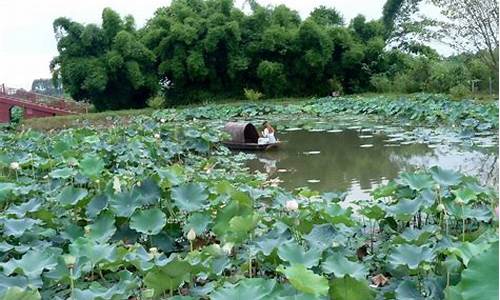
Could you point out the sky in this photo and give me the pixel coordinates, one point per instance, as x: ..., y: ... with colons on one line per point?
x: 27, y: 43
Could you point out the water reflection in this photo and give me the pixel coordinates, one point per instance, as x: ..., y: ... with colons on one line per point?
x: 357, y: 161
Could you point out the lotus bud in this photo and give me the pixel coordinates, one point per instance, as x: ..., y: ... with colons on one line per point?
x: 335, y: 244
x: 227, y: 248
x: 87, y: 229
x: 440, y: 207
x: 446, y: 217
x: 157, y: 136
x: 117, y: 185
x: 14, y: 165
x: 191, y: 235
x: 69, y: 260
x: 460, y: 201
x: 496, y: 211
x: 291, y: 205
x: 162, y: 120
x: 97, y: 181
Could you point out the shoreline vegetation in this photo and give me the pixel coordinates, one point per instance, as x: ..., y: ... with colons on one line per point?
x: 108, y: 117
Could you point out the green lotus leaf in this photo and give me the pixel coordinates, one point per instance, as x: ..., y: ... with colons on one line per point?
x: 198, y: 222
x: 19, y: 281
x: 71, y: 195
x: 336, y: 214
x: 246, y: 289
x: 171, y: 176
x: 373, y: 212
x: 341, y: 266
x: 17, y: 293
x: 124, y: 204
x: 103, y: 228
x: 467, y: 212
x: 120, y: 290
x: 271, y: 240
x: 6, y: 189
x: 96, y: 205
x: 32, y: 263
x: 62, y: 173
x: 480, y: 279
x: 168, y: 277
x: 190, y: 196
x: 348, y: 288
x: 23, y: 208
x: 92, y: 166
x: 305, y: 280
x: 411, y: 255
x: 466, y: 251
x: 407, y: 290
x: 240, y: 227
x: 148, y: 192
x: 465, y: 194
x: 295, y: 254
x: 416, y: 181
x: 405, y: 209
x: 385, y: 190
x: 84, y: 247
x: 17, y: 227
x: 445, y: 177
x: 149, y: 221
x: 321, y: 236
x: 416, y: 236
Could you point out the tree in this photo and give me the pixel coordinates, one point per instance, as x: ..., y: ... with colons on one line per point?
x: 324, y: 16
x: 471, y: 25
x: 47, y: 87
x: 107, y: 65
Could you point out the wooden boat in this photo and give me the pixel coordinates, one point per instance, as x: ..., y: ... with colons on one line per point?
x: 244, y: 136
x: 250, y: 146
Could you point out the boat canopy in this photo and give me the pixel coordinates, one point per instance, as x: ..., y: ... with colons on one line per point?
x: 242, y: 132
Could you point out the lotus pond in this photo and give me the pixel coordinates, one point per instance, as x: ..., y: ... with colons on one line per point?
x: 158, y: 209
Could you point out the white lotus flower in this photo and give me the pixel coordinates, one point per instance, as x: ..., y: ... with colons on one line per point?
x: 162, y: 120
x: 157, y: 136
x: 227, y: 248
x: 117, y: 185
x: 15, y: 165
x: 291, y: 205
x: 191, y: 235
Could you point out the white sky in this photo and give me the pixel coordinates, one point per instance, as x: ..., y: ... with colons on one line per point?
x: 27, y: 42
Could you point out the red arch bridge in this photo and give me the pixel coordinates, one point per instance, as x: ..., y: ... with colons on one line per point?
x: 35, y: 105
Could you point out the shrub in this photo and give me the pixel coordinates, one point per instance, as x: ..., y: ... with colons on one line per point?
x: 156, y: 102
x: 381, y: 83
x: 252, y: 95
x: 459, y: 91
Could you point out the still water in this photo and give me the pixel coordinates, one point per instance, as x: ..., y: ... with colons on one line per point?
x: 357, y: 161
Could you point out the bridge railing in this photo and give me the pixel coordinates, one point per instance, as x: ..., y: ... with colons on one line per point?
x: 55, y: 102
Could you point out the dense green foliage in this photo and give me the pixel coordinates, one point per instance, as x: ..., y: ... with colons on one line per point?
x: 200, y: 50
x: 108, y: 64
x: 158, y: 208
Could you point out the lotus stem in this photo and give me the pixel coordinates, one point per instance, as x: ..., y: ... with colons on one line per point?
x: 72, y: 283
x: 463, y: 224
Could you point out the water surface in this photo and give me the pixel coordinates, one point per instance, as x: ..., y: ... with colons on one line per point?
x: 358, y: 160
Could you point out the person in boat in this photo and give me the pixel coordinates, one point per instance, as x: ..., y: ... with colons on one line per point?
x: 267, y: 135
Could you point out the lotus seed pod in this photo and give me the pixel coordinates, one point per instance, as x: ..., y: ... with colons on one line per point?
x: 153, y: 250
x: 191, y: 235
x: 460, y: 201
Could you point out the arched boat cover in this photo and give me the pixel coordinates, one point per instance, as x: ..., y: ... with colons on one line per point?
x: 242, y: 132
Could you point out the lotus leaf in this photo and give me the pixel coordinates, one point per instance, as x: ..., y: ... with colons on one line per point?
x: 150, y: 221
x: 295, y: 254
x: 189, y: 197
x: 305, y: 280
x: 71, y: 195
x: 411, y: 255
x: 341, y: 267
x: 348, y: 288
